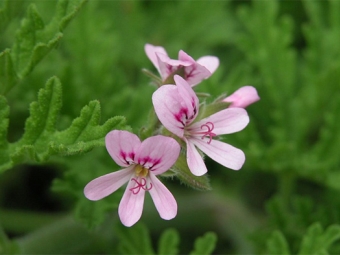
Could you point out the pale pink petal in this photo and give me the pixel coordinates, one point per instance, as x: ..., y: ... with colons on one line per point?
x: 209, y: 62
x: 158, y: 153
x: 221, y: 152
x: 185, y: 57
x: 188, y: 97
x: 107, y: 184
x: 168, y: 105
x: 168, y: 66
x: 151, y: 51
x: 195, y: 160
x: 243, y: 97
x: 194, y: 74
x: 227, y: 121
x: 121, y: 146
x: 163, y: 199
x: 131, y: 206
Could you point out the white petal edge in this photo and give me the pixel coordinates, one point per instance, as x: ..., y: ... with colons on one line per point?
x: 164, y: 201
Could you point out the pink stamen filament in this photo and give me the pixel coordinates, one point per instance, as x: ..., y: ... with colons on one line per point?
x: 210, y: 126
x: 140, y: 185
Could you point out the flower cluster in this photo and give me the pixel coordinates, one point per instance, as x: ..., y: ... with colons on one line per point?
x: 178, y: 110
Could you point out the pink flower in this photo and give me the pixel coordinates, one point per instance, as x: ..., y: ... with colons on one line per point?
x: 194, y: 71
x: 142, y: 162
x: 242, y: 97
x: 178, y: 106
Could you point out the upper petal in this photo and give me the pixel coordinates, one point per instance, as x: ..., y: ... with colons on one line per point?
x: 131, y: 206
x: 227, y: 121
x: 121, y: 146
x: 158, y: 153
x: 151, y: 51
x: 243, y: 97
x: 185, y: 57
x: 163, y: 199
x: 107, y: 184
x: 209, y: 62
x: 167, y: 104
x: 221, y: 152
x: 194, y: 159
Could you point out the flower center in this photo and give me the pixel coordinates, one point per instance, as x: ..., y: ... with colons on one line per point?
x: 140, y: 180
x: 207, y: 129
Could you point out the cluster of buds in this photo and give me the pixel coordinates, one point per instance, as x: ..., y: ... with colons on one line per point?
x: 182, y: 128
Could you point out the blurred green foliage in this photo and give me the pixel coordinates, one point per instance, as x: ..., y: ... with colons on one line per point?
x: 285, y: 200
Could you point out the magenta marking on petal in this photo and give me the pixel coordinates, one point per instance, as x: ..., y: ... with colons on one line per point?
x: 140, y: 185
x: 127, y: 158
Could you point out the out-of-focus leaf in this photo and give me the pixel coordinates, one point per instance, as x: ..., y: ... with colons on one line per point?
x: 168, y: 242
x: 277, y: 244
x: 5, y: 161
x: 205, y: 245
x: 134, y: 240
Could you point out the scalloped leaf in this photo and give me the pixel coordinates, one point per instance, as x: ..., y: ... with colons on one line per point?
x: 205, y: 245
x: 5, y: 161
x: 8, y: 77
x: 34, y: 41
x: 41, y: 140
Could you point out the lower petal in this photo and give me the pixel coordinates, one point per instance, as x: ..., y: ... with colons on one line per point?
x: 131, y: 206
x: 107, y: 184
x: 221, y: 152
x: 163, y: 199
x: 194, y: 159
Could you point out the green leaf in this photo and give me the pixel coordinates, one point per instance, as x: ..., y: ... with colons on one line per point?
x: 205, y: 245
x: 317, y: 241
x: 5, y: 161
x: 183, y: 173
x: 168, y: 242
x: 7, y: 246
x: 34, y: 40
x: 41, y: 140
x: 134, y: 240
x: 277, y: 244
x: 8, y: 77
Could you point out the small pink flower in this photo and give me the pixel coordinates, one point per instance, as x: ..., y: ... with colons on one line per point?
x: 178, y: 106
x: 242, y: 97
x: 142, y: 162
x: 194, y: 71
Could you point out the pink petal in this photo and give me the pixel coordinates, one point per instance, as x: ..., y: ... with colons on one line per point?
x: 168, y: 104
x: 195, y: 160
x: 131, y: 206
x: 227, y: 121
x: 158, y: 153
x: 151, y: 51
x: 107, y: 184
x: 163, y: 199
x: 209, y: 62
x: 188, y: 96
x: 167, y: 66
x: 185, y: 57
x: 121, y: 146
x: 194, y: 74
x: 221, y: 152
x: 243, y: 97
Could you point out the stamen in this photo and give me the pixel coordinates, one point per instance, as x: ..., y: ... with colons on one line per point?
x: 140, y: 185
x: 210, y: 127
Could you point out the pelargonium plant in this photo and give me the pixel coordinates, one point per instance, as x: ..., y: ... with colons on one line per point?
x: 183, y: 129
